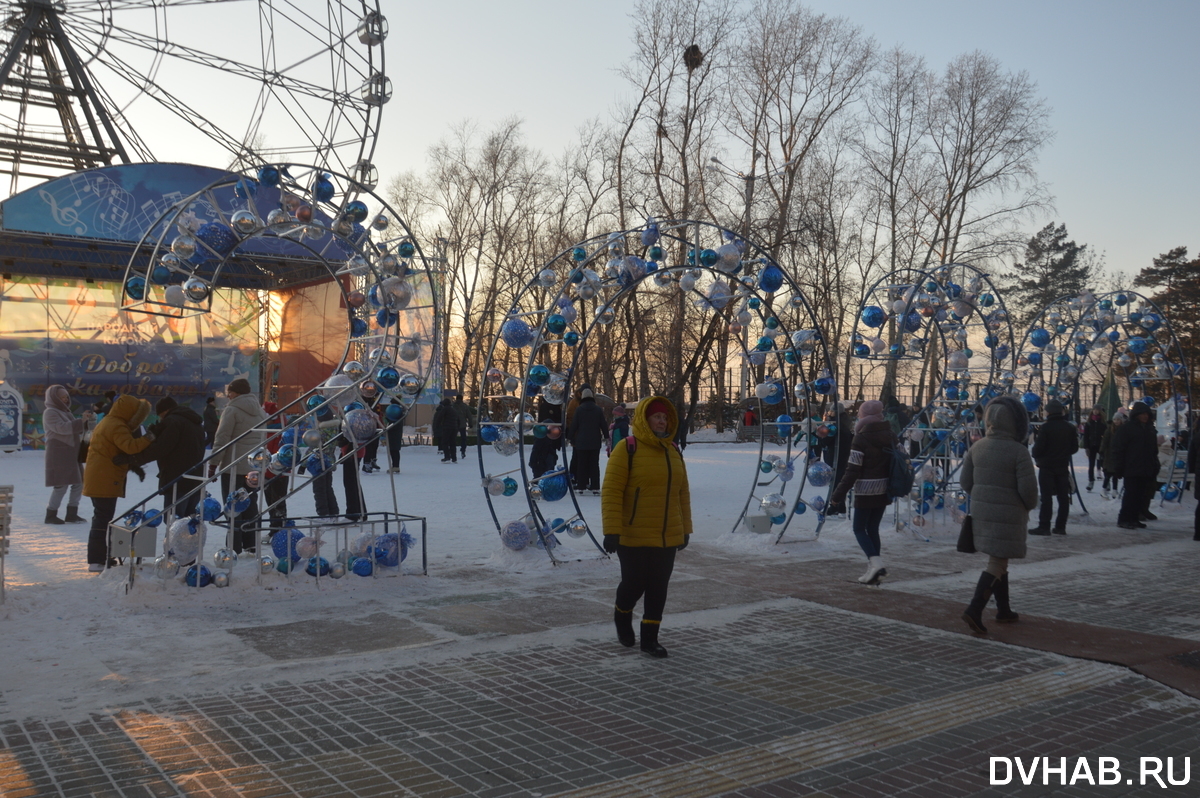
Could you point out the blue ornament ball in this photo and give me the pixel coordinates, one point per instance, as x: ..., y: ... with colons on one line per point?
x: 516, y: 535
x: 516, y: 333
x: 356, y: 211
x: 317, y: 565
x: 205, y: 576
x: 211, y: 509
x: 284, y: 539
x: 820, y: 474
x: 489, y: 433
x: 1039, y: 337
x: 388, y: 377
x: 268, y: 176
x: 555, y: 324
x: 770, y: 279
x: 1031, y: 401
x: 554, y: 488
x: 872, y: 316
x: 362, y: 566
x: 218, y: 237
x: 395, y: 412
x: 406, y: 249
x: 135, y: 287
x: 571, y: 338
x: 153, y: 518
x: 358, y: 328
x: 510, y: 486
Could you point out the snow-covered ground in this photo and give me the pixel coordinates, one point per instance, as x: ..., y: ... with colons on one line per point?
x: 74, y: 640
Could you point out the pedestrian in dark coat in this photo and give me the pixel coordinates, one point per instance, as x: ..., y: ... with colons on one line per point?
x: 212, y: 420
x: 1135, y: 453
x: 587, y: 433
x: 1056, y: 441
x: 867, y: 469
x: 1193, y: 461
x: 179, y: 448
x: 1107, y: 460
x: 619, y: 427
x: 1093, y: 436
x: 466, y: 418
x: 543, y: 455
x: 835, y: 451
x: 997, y: 472
x: 63, y: 435
x: 445, y: 430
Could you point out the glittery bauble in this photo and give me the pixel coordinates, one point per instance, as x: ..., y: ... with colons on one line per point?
x: 409, y: 351
x: 166, y: 567
x: 820, y: 474
x: 175, y: 296
x: 359, y: 426
x: 516, y: 535
x: 516, y: 333
x: 507, y: 441
x: 284, y: 542
x: 495, y: 487
x: 772, y: 503
x: 554, y: 487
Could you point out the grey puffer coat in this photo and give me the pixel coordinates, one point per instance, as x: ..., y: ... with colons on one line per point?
x: 998, y: 474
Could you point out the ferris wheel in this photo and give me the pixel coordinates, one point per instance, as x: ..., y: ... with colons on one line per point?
x: 234, y: 83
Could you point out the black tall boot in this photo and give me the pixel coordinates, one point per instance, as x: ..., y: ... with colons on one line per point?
x: 1004, y: 613
x: 624, y: 622
x: 73, y: 516
x: 650, y: 640
x: 52, y: 517
x: 973, y: 615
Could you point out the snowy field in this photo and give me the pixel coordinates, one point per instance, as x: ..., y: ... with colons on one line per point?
x: 76, y: 640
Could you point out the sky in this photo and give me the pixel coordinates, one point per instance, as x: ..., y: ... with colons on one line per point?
x: 1120, y: 78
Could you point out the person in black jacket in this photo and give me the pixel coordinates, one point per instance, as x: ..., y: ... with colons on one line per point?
x: 1056, y: 441
x: 587, y: 434
x: 1093, y: 436
x: 867, y: 470
x: 1192, y: 462
x: 212, y: 419
x: 445, y: 429
x: 178, y: 447
x: 838, y: 439
x: 1135, y: 453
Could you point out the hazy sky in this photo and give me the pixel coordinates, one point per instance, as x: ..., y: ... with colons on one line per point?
x: 1122, y: 80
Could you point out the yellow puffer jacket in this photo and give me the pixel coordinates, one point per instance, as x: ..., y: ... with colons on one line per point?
x: 101, y: 478
x: 645, y: 499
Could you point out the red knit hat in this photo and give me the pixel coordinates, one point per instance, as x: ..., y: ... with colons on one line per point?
x: 658, y: 406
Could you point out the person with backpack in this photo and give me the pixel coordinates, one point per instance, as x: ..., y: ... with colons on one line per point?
x: 868, y: 470
x: 997, y: 473
x: 619, y: 426
x: 646, y: 507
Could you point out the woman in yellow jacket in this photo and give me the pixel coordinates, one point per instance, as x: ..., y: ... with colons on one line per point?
x: 647, y: 516
x: 103, y: 480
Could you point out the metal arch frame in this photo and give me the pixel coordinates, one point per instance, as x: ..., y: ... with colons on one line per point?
x: 1088, y: 316
x: 384, y: 354
x: 92, y: 28
x: 911, y: 283
x: 628, y: 288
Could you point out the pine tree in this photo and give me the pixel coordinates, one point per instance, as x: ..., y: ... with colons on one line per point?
x: 1054, y: 267
x: 1178, y: 297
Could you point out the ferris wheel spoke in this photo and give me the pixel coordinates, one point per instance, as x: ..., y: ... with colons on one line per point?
x: 225, y: 65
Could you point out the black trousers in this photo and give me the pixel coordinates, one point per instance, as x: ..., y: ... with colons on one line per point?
x: 1054, y: 483
x: 1133, y: 501
x: 586, y: 463
x: 176, y: 496
x: 243, y: 533
x: 103, y: 511
x: 395, y: 437
x: 275, y: 489
x: 324, y: 497
x: 354, y: 497
x: 645, y: 571
x: 1092, y: 455
x: 372, y: 450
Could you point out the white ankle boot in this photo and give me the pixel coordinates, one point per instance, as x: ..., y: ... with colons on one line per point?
x: 875, y: 571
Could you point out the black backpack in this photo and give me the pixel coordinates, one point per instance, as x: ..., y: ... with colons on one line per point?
x: 900, y: 472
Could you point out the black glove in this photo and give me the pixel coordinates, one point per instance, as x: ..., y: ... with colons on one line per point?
x: 610, y: 543
x: 682, y: 546
x: 137, y: 469
x: 120, y: 458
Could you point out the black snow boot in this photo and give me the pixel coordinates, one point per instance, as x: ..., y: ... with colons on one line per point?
x: 973, y: 615
x: 650, y: 640
x: 624, y: 622
x: 52, y: 517
x: 73, y: 516
x: 1004, y: 613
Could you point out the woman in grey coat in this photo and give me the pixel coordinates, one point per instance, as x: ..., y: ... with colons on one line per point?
x: 63, y: 432
x: 998, y: 474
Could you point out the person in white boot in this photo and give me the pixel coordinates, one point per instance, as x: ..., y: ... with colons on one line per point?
x: 867, y: 472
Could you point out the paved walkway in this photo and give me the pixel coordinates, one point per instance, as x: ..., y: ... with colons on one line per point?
x: 785, y: 679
